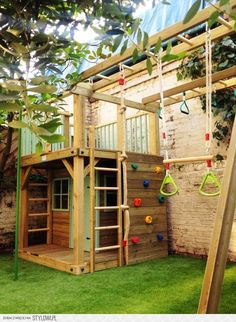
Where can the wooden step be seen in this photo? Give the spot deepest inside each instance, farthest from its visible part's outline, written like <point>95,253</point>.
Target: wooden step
<point>106,207</point>
<point>106,169</point>
<point>107,248</point>
<point>106,188</point>
<point>35,184</point>
<point>37,229</point>
<point>38,199</point>
<point>39,214</point>
<point>107,227</point>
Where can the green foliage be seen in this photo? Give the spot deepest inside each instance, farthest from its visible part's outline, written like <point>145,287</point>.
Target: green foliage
<point>223,101</point>
<point>192,11</point>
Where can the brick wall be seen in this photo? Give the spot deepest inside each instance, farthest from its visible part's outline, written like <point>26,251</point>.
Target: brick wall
<point>190,215</point>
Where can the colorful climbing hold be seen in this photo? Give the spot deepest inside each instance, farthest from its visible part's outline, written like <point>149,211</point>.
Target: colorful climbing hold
<point>146,183</point>
<point>135,240</point>
<point>157,170</point>
<point>160,237</point>
<point>137,202</point>
<point>134,166</point>
<point>121,81</point>
<point>124,243</point>
<point>148,219</point>
<point>161,198</point>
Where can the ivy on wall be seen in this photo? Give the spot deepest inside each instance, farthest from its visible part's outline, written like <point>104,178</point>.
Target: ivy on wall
<point>223,101</point>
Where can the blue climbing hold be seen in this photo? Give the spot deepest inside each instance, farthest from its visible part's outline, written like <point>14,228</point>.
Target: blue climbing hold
<point>146,183</point>
<point>160,237</point>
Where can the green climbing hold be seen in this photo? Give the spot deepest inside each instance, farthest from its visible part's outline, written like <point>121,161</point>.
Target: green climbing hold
<point>161,199</point>
<point>134,166</point>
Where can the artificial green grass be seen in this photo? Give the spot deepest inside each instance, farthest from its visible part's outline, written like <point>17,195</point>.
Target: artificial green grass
<point>169,285</point>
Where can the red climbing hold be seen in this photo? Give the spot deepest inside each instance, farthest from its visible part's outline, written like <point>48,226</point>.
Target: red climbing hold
<point>207,136</point>
<point>137,202</point>
<point>209,164</point>
<point>135,240</point>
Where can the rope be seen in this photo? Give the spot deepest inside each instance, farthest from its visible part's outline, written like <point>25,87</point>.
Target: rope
<point>208,135</point>
<point>125,206</point>
<point>162,108</point>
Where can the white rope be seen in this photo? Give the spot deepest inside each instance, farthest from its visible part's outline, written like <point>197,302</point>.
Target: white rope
<point>162,107</point>
<point>208,89</point>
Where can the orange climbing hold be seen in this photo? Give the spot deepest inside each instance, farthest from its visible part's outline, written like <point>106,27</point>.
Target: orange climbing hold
<point>157,170</point>
<point>148,219</point>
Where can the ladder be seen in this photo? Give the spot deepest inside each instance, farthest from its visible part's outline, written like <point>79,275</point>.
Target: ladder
<point>44,200</point>
<point>94,207</point>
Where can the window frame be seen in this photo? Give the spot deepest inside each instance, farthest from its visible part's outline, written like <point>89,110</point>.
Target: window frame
<point>61,194</point>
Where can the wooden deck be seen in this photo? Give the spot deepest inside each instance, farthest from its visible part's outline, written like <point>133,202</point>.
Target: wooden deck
<point>61,258</point>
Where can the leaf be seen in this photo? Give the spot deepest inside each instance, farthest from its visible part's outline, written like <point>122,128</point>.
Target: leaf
<point>149,66</point>
<point>117,42</point>
<point>10,107</point>
<point>124,47</point>
<point>113,32</point>
<point>235,26</point>
<point>170,57</point>
<point>158,46</point>
<point>4,97</point>
<point>145,40</point>
<point>43,108</point>
<point>12,86</point>
<point>18,124</point>
<point>213,18</point>
<point>55,138</point>
<point>39,148</point>
<point>192,11</point>
<point>43,89</point>
<point>139,36</point>
<point>223,2</point>
<point>40,130</point>
<point>19,48</point>
<point>39,79</point>
<point>135,55</point>
<point>169,47</point>
<point>52,125</point>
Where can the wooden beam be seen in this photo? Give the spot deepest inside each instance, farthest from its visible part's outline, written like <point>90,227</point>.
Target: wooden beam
<point>183,39</point>
<point>68,167</point>
<point>153,134</point>
<point>165,34</point>
<point>79,103</point>
<point>224,22</point>
<point>139,68</point>
<point>78,211</point>
<point>217,257</point>
<point>189,159</point>
<point>92,197</point>
<point>87,90</point>
<point>226,73</point>
<point>67,130</point>
<point>25,177</point>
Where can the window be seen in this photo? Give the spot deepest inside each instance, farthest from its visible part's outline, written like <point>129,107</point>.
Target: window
<point>60,194</point>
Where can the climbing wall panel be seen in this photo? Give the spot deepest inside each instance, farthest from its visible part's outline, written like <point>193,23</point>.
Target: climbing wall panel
<point>148,222</point>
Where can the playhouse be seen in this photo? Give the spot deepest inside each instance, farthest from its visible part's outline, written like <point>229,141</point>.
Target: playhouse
<point>98,200</point>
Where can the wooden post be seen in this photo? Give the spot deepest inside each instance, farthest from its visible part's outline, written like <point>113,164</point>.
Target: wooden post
<point>23,231</point>
<point>79,121</point>
<point>67,130</point>
<point>49,208</point>
<point>78,184</point>
<point>153,134</point>
<point>214,274</point>
<point>92,197</point>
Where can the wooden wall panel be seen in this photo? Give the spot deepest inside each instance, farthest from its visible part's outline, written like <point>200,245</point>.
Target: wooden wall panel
<point>149,246</point>
<point>61,227</point>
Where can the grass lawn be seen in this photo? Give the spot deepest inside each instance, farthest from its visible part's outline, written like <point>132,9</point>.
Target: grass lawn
<point>170,285</point>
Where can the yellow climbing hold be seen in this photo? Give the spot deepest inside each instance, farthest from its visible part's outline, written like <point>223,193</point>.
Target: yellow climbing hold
<point>157,170</point>
<point>148,219</point>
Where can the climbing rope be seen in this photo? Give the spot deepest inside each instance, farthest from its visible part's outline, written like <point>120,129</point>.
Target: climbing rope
<point>168,178</point>
<point>209,177</point>
<point>125,207</point>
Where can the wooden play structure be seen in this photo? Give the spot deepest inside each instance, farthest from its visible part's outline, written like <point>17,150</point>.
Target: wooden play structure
<point>96,205</point>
